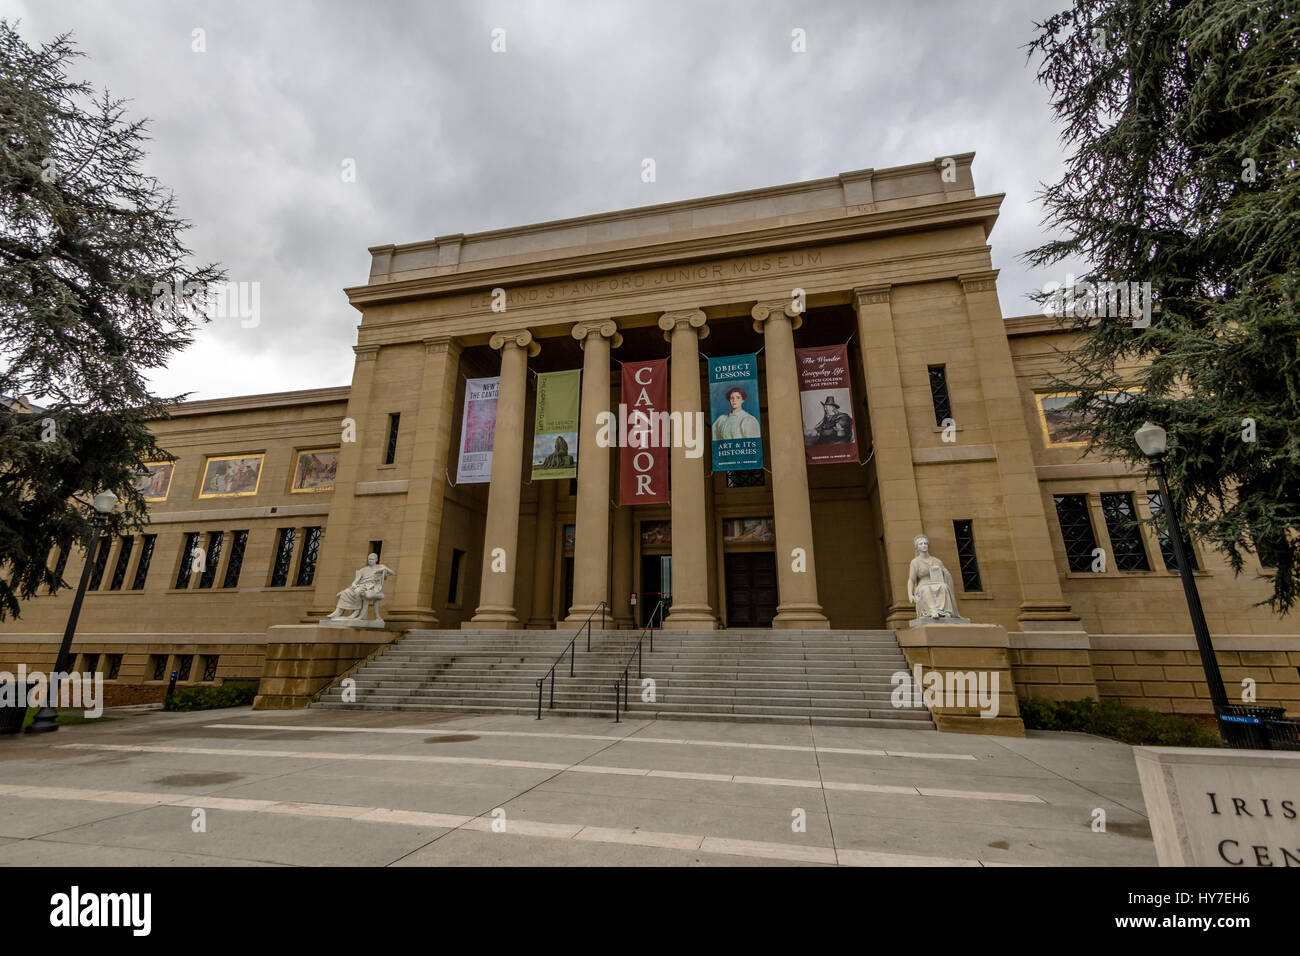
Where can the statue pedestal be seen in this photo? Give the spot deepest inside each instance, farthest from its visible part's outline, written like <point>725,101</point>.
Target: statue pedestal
<point>922,621</point>
<point>962,661</point>
<point>302,660</point>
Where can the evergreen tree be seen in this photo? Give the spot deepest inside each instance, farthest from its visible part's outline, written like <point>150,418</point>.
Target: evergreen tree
<point>89,245</point>
<point>1183,119</point>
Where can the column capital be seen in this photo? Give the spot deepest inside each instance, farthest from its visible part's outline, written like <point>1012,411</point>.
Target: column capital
<point>684,318</point>
<point>442,345</point>
<point>366,353</point>
<point>871,294</point>
<point>762,312</point>
<point>605,328</point>
<point>984,281</point>
<point>522,338</point>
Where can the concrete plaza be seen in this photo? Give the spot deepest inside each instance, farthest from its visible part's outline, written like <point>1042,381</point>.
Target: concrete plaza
<point>390,789</point>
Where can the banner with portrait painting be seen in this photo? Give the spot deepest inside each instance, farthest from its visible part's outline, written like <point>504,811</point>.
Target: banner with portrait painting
<point>733,408</point>
<point>826,401</point>
<point>555,435</point>
<point>477,431</point>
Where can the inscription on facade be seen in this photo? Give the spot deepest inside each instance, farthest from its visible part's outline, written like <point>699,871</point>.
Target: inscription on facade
<point>716,271</point>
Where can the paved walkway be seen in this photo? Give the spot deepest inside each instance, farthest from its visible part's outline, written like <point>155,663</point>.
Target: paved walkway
<point>386,789</point>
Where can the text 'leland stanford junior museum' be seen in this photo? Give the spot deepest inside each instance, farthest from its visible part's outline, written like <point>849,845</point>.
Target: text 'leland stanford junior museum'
<point>834,378</point>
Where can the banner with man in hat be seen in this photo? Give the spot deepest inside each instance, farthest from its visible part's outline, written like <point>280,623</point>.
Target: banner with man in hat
<point>826,400</point>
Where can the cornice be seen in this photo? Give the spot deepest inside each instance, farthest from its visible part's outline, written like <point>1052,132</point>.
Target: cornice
<point>844,228</point>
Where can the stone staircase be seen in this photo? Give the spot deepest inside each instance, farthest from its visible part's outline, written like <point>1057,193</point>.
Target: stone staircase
<point>822,677</point>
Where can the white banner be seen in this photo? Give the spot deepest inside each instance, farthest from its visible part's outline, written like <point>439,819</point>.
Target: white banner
<point>474,466</point>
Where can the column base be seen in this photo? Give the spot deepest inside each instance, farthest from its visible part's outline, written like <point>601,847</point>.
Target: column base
<point>690,617</point>
<point>579,613</point>
<point>492,619</point>
<point>799,617</point>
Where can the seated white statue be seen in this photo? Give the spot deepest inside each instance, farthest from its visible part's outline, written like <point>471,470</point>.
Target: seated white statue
<point>366,590</point>
<point>929,585</point>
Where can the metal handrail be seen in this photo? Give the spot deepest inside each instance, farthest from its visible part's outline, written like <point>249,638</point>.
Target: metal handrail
<point>572,651</point>
<point>648,631</point>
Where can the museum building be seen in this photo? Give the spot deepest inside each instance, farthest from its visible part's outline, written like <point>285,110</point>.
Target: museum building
<point>842,343</point>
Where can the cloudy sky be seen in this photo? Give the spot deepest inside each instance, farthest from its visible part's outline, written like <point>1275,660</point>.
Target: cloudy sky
<point>448,136</point>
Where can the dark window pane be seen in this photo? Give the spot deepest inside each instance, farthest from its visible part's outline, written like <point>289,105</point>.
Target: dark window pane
<point>210,667</point>
<point>283,555</point>
<point>123,559</point>
<point>212,559</point>
<point>307,566</point>
<point>1162,535</point>
<point>187,560</point>
<point>453,588</point>
<point>159,670</point>
<point>183,664</point>
<point>1076,530</point>
<point>752,478</point>
<point>237,546</point>
<point>101,560</point>
<point>970,567</point>
<point>62,563</point>
<point>390,451</point>
<point>939,394</point>
<point>377,549</point>
<point>114,666</point>
<point>1125,538</point>
<point>142,566</point>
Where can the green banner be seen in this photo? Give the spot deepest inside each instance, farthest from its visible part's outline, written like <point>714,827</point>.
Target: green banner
<point>555,437</point>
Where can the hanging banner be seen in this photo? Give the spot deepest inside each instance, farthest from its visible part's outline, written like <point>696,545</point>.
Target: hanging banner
<point>733,404</point>
<point>644,436</point>
<point>478,427</point>
<point>826,399</point>
<point>555,436</point>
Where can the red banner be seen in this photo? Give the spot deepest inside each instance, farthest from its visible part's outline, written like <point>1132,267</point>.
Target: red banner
<point>644,434</point>
<point>826,400</point>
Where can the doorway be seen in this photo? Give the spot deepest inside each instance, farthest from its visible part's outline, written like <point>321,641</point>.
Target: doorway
<point>751,588</point>
<point>656,582</point>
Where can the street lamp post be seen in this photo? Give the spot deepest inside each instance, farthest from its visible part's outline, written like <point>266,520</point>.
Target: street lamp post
<point>1153,440</point>
<point>44,722</point>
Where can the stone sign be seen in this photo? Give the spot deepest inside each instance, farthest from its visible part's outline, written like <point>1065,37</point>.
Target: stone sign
<point>1238,808</point>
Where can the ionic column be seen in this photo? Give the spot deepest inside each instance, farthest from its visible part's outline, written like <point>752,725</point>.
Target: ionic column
<point>591,533</point>
<point>691,609</point>
<point>501,536</point>
<point>796,570</point>
<point>544,559</point>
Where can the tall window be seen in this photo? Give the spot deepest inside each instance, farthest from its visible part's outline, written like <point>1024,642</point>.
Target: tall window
<point>390,450</point>
<point>101,561</point>
<point>377,549</point>
<point>283,556</point>
<point>187,560</point>
<point>209,576</point>
<point>307,566</point>
<point>239,541</point>
<point>1162,535</point>
<point>62,563</point>
<point>970,566</point>
<point>1125,538</point>
<point>142,566</point>
<point>1076,530</point>
<point>939,394</point>
<point>453,586</point>
<point>123,559</point>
